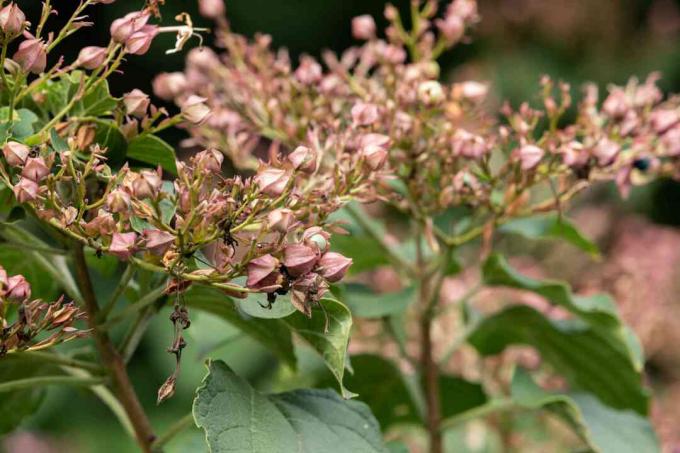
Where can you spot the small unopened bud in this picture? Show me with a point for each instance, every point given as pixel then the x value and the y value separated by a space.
pixel 471 91
pixel 147 184
pixel 158 242
pixel 304 159
pixel 31 56
pixel 102 225
pixel 26 190
pixel 91 57
pixel 333 266
pixel 530 156
pixel 616 105
pixel 374 156
pixel 35 169
pixel 12 21
pixel 663 119
pixel 469 145
pixel 363 27
pixel 18 288
pixel 606 151
pixel 281 220
pixel 140 41
pixel 169 85
pixel 136 103
pixel 118 201
pixel 15 153
pixel 123 245
pixel 263 274
pixel 211 9
pixel 194 109
pixel 309 72
pixel 431 92
pixel 209 161
pixel 124 27
pixel 299 259
pixel 364 114
pixel 272 181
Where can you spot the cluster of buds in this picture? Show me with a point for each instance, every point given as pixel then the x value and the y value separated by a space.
pixel 31 325
pixel 381 105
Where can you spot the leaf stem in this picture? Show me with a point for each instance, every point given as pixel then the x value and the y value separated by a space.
pixel 41 381
pixel 62 360
pixel 176 428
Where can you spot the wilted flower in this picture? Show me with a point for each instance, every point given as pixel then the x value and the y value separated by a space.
pixel 92 57
pixel 263 274
pixel 333 266
pixel 118 201
pixel 102 225
pixel 26 190
pixel 363 27
pixel 209 160
pixel 136 103
pixel 304 159
pixel 15 153
pixel 31 55
pixel 281 220
pixel 12 20
pixel 272 181
pixel 18 288
pixel 157 242
pixel 123 245
pixel 35 169
pixel 147 184
pixel 374 156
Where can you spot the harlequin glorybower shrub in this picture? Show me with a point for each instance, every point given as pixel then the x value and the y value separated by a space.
pixel 408 174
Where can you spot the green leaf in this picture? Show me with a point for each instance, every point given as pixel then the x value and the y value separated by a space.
pixel 109 136
pixel 17 405
pixel 22 125
pixel 365 303
pixel 97 102
pixel 604 429
pixel 598 309
pixel 58 143
pixel 576 350
pixel 237 418
pixel 330 343
pixel 150 149
pixel 273 334
pixel 551 227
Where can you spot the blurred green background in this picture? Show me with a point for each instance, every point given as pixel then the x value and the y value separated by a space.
pixel 517 41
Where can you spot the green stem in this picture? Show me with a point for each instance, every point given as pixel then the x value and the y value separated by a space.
pixel 41 381
pixel 142 303
pixel 62 360
pixel 176 428
pixel 122 285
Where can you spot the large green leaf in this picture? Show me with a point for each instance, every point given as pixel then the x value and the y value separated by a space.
pixel 109 136
pixel 551 227
pixel 237 418
pixel 18 404
pixel 365 303
pixel 152 150
pixel 598 309
pixel 574 348
pixel 327 332
pixel 21 126
pixel 273 334
pixel 604 429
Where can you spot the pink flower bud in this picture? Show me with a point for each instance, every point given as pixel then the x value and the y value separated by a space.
pixel 26 190
pixel 263 274
pixel 333 266
pixel 606 151
pixel 299 259
pixel 18 288
pixel 211 9
pixel 194 109
pixel 3 281
pixel 616 105
pixel 383 141
pixel 15 153
pixel 465 9
pixel 124 27
pixel 663 119
pixel 35 169
pixel 123 245
pixel 158 242
pixel 309 72
pixel 102 225
pixel 136 103
pixel 209 161
pixel 281 220
pixel 530 156
pixel 140 41
pixel 471 90
pixel 304 159
pixel 469 145
pixel 12 21
pixel 31 56
pixel 91 57
pixel 147 184
pixel 374 156
pixel 118 201
pixel 451 27
pixel 272 181
pixel 431 92
pixel 671 141
pixel 363 27
pixel 169 85
pixel 317 238
pixel 364 114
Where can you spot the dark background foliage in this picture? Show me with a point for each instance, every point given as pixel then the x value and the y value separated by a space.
pixel 518 40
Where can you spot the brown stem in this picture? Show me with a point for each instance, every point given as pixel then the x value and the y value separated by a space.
pixel 111 359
